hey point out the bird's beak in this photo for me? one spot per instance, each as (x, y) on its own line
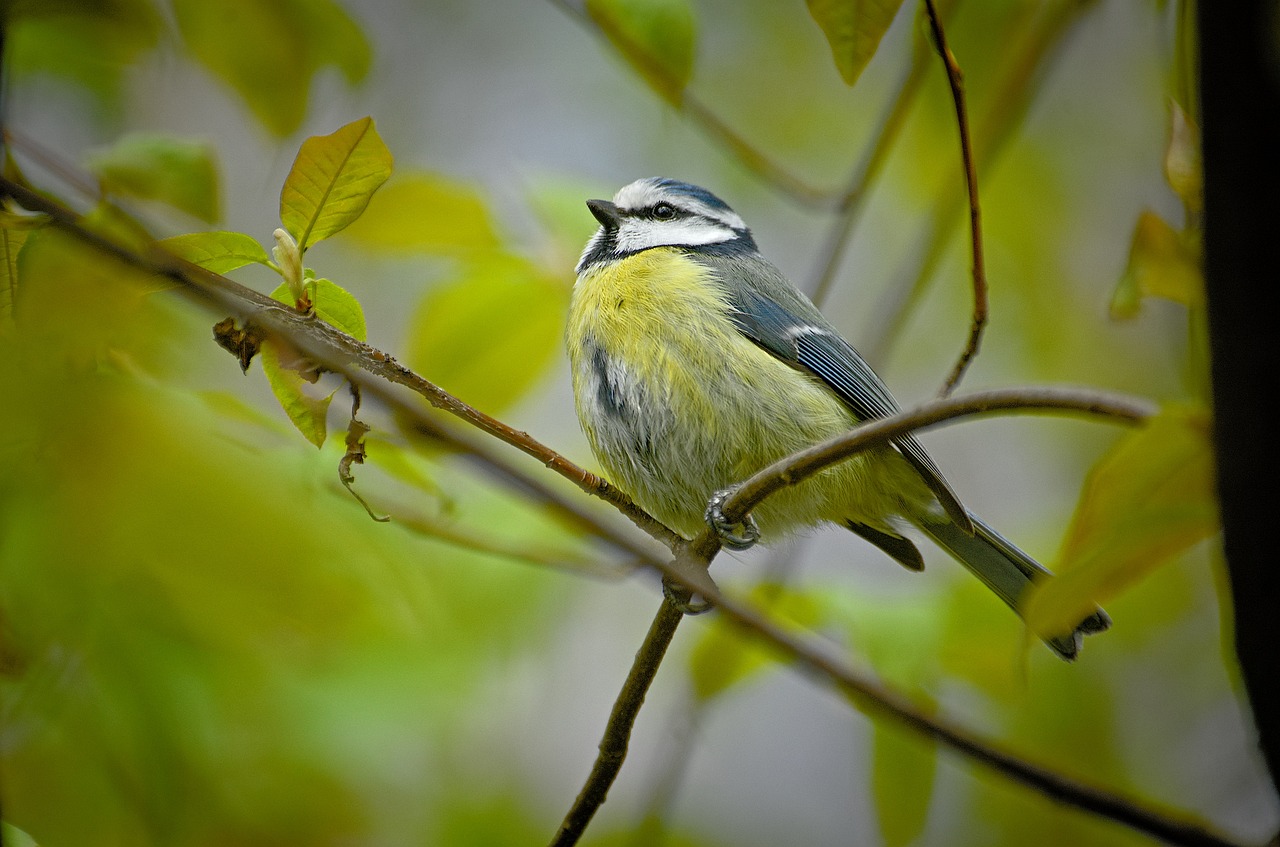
(605, 212)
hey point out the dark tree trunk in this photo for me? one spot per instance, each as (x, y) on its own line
(1240, 108)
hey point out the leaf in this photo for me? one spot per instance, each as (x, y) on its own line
(1162, 263)
(488, 336)
(220, 252)
(425, 212)
(722, 658)
(903, 766)
(331, 181)
(657, 37)
(14, 230)
(1146, 501)
(86, 42)
(332, 303)
(179, 172)
(331, 37)
(1183, 167)
(268, 51)
(853, 29)
(280, 364)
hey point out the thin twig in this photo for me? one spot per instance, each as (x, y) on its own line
(955, 77)
(617, 733)
(688, 569)
(1009, 100)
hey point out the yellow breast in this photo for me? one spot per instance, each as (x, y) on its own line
(677, 403)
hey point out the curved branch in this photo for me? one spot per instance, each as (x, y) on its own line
(799, 466)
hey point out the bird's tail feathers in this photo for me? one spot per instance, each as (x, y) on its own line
(1008, 572)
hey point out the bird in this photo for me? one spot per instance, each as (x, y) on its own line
(695, 362)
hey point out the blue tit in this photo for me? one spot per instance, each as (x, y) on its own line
(696, 363)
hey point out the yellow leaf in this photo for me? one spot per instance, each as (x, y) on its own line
(488, 336)
(426, 212)
(853, 29)
(306, 412)
(1146, 501)
(1182, 162)
(1162, 263)
(332, 180)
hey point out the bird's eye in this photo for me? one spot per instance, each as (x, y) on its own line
(664, 211)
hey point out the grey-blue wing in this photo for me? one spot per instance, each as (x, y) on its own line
(801, 338)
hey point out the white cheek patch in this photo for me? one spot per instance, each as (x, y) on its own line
(640, 234)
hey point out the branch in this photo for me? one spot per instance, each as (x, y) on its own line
(1009, 99)
(794, 469)
(688, 570)
(347, 356)
(617, 733)
(955, 77)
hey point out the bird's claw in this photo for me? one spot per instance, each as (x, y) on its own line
(684, 602)
(736, 536)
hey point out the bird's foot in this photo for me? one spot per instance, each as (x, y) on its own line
(684, 602)
(736, 536)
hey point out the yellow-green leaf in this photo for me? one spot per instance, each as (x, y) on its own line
(722, 658)
(1182, 162)
(268, 51)
(13, 234)
(332, 180)
(175, 171)
(903, 765)
(332, 303)
(87, 42)
(220, 252)
(425, 212)
(488, 336)
(1147, 500)
(853, 29)
(657, 37)
(306, 412)
(1162, 263)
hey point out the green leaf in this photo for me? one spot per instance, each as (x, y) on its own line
(220, 252)
(903, 766)
(307, 412)
(723, 659)
(268, 51)
(179, 172)
(657, 37)
(332, 303)
(255, 47)
(1162, 263)
(331, 37)
(14, 230)
(853, 29)
(87, 42)
(424, 212)
(1146, 501)
(332, 180)
(488, 336)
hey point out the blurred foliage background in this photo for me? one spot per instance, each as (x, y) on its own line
(205, 640)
